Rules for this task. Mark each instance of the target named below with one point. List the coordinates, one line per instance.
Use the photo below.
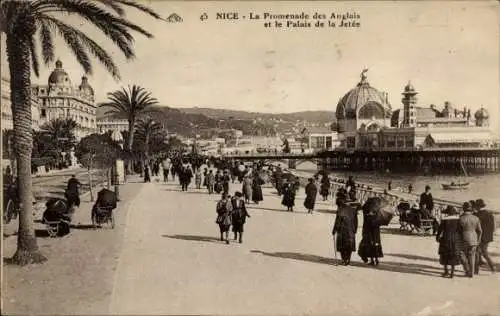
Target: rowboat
(455, 186)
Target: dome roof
(481, 114)
(366, 98)
(59, 76)
(85, 86)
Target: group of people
(346, 226)
(464, 239)
(461, 239)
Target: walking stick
(335, 251)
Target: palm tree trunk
(131, 132)
(90, 179)
(18, 54)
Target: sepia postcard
(250, 157)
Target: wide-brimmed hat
(480, 203)
(238, 194)
(467, 207)
(450, 210)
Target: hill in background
(207, 122)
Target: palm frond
(114, 5)
(34, 57)
(92, 13)
(72, 34)
(140, 7)
(47, 42)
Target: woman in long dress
(288, 196)
(345, 227)
(311, 192)
(370, 245)
(257, 189)
(247, 188)
(448, 239)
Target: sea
(485, 186)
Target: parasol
(382, 208)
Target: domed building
(362, 110)
(482, 117)
(59, 99)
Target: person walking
(72, 193)
(210, 182)
(147, 177)
(225, 182)
(257, 195)
(426, 203)
(325, 187)
(470, 233)
(488, 229)
(345, 227)
(247, 188)
(288, 199)
(197, 179)
(449, 245)
(371, 244)
(224, 213)
(166, 164)
(239, 215)
(311, 192)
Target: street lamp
(118, 138)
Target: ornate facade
(7, 122)
(60, 99)
(363, 108)
(366, 121)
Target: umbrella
(381, 207)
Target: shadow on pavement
(194, 238)
(409, 268)
(41, 233)
(83, 226)
(396, 231)
(252, 207)
(412, 257)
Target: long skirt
(257, 193)
(224, 228)
(370, 245)
(309, 202)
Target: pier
(428, 161)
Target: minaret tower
(409, 102)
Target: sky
(448, 50)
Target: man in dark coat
(73, 191)
(426, 202)
(239, 215)
(488, 227)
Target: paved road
(172, 263)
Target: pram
(102, 211)
(57, 217)
(412, 219)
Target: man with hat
(470, 234)
(427, 202)
(239, 215)
(488, 227)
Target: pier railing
(365, 191)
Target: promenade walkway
(77, 279)
(172, 262)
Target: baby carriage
(57, 217)
(102, 211)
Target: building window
(44, 113)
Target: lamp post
(118, 138)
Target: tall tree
(130, 103)
(148, 131)
(62, 132)
(21, 22)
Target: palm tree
(21, 22)
(62, 133)
(148, 131)
(130, 103)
